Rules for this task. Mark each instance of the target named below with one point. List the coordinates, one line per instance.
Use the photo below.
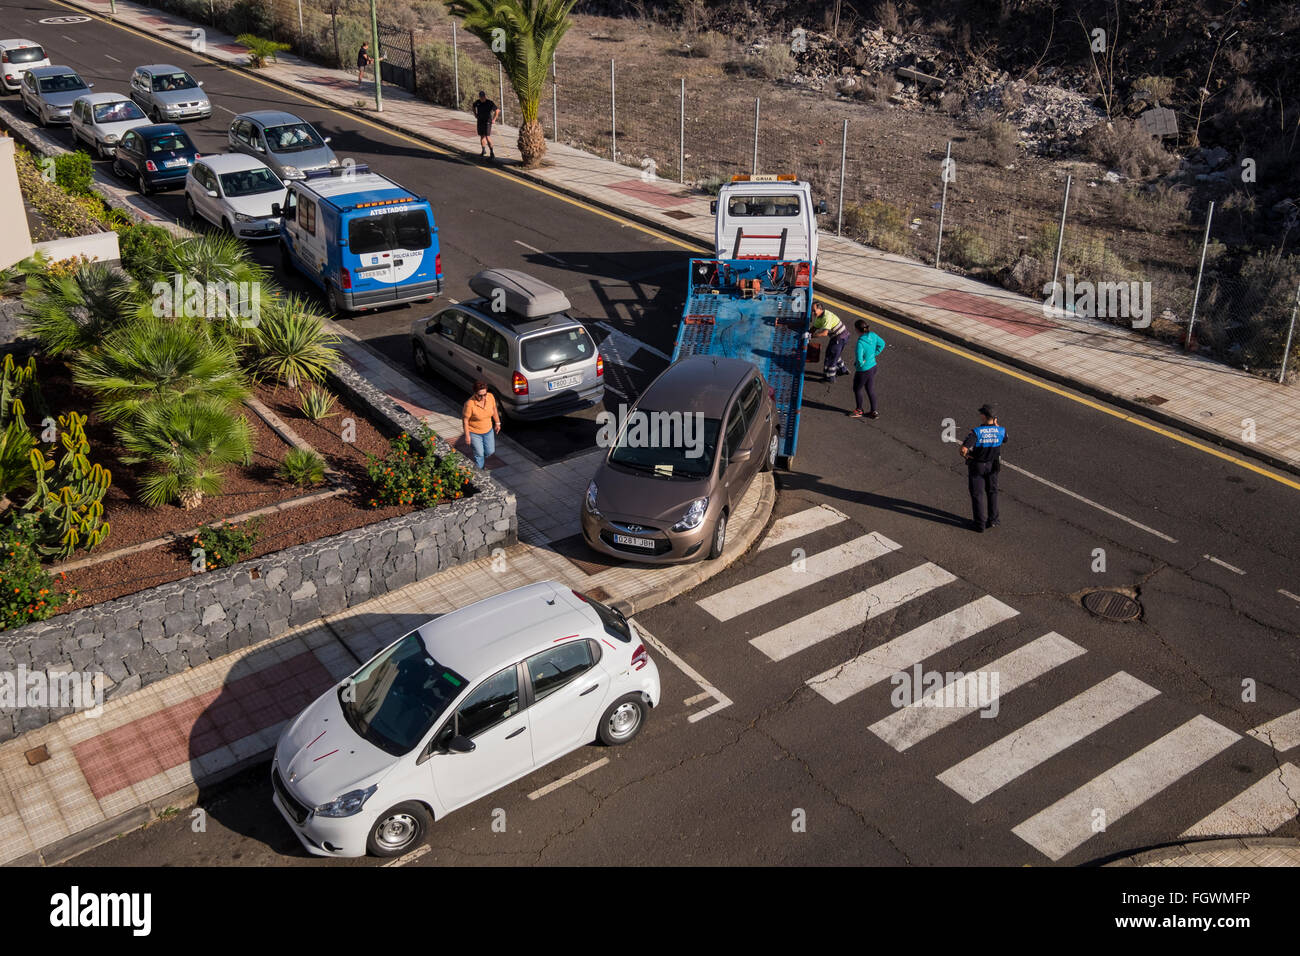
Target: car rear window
(763, 206)
(557, 348)
(171, 143)
(27, 54)
(407, 230)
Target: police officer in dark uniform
(982, 450)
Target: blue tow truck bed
(757, 310)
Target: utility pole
(374, 45)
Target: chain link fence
(1129, 256)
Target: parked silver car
(167, 92)
(48, 92)
(287, 144)
(538, 361)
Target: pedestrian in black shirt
(487, 113)
(982, 450)
(364, 59)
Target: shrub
(705, 45)
(260, 50)
(144, 250)
(771, 63)
(407, 477)
(186, 443)
(62, 212)
(1002, 142)
(435, 76)
(27, 591)
(1153, 89)
(74, 312)
(292, 343)
(967, 249)
(316, 403)
(68, 502)
(302, 467)
(1126, 147)
(74, 172)
(227, 544)
(878, 224)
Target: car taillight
(771, 393)
(345, 279)
(519, 384)
(437, 264)
(580, 597)
(600, 365)
(148, 164)
(198, 155)
(640, 658)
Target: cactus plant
(71, 506)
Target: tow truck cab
(766, 217)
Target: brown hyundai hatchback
(679, 461)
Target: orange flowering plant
(407, 476)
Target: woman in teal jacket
(870, 345)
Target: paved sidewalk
(1237, 851)
(1137, 373)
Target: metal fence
(951, 202)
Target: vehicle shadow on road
(802, 481)
(234, 733)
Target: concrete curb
(1244, 844)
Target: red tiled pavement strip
(983, 308)
(456, 126)
(648, 192)
(183, 732)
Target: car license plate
(632, 542)
(565, 382)
(172, 163)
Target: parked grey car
(48, 92)
(100, 120)
(168, 93)
(287, 144)
(539, 361)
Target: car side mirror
(328, 138)
(713, 207)
(259, 147)
(742, 454)
(200, 82)
(212, 194)
(276, 210)
(90, 85)
(460, 744)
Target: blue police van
(366, 241)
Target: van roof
(480, 639)
(342, 191)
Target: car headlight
(240, 217)
(111, 138)
(347, 805)
(694, 515)
(333, 163)
(590, 501)
(292, 172)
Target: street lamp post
(374, 43)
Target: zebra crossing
(1075, 817)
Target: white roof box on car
(524, 295)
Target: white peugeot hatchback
(456, 709)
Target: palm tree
(291, 342)
(74, 313)
(532, 32)
(187, 442)
(157, 357)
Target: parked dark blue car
(156, 157)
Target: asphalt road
(1208, 545)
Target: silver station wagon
(167, 92)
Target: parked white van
(458, 708)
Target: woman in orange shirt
(482, 422)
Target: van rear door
(769, 224)
(389, 246)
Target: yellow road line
(672, 240)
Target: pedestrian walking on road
(982, 450)
(364, 59)
(486, 113)
(869, 347)
(482, 423)
(827, 323)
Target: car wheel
(102, 150)
(622, 720)
(719, 537)
(335, 301)
(398, 829)
(421, 359)
(143, 184)
(770, 461)
(118, 170)
(189, 208)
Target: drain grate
(678, 214)
(1112, 605)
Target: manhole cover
(1112, 605)
(678, 214)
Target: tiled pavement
(1249, 851)
(1198, 395)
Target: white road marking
(722, 699)
(800, 524)
(1021, 751)
(692, 701)
(1068, 823)
(912, 724)
(611, 388)
(1285, 593)
(844, 680)
(113, 58)
(541, 253)
(784, 581)
(1223, 564)
(1280, 733)
(1257, 810)
(409, 857)
(1089, 501)
(568, 778)
(68, 38)
(225, 109)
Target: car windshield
(27, 54)
(667, 444)
(292, 139)
(61, 83)
(408, 231)
(166, 82)
(250, 182)
(394, 700)
(118, 112)
(171, 143)
(556, 348)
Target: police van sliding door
(390, 246)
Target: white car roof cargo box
(524, 295)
